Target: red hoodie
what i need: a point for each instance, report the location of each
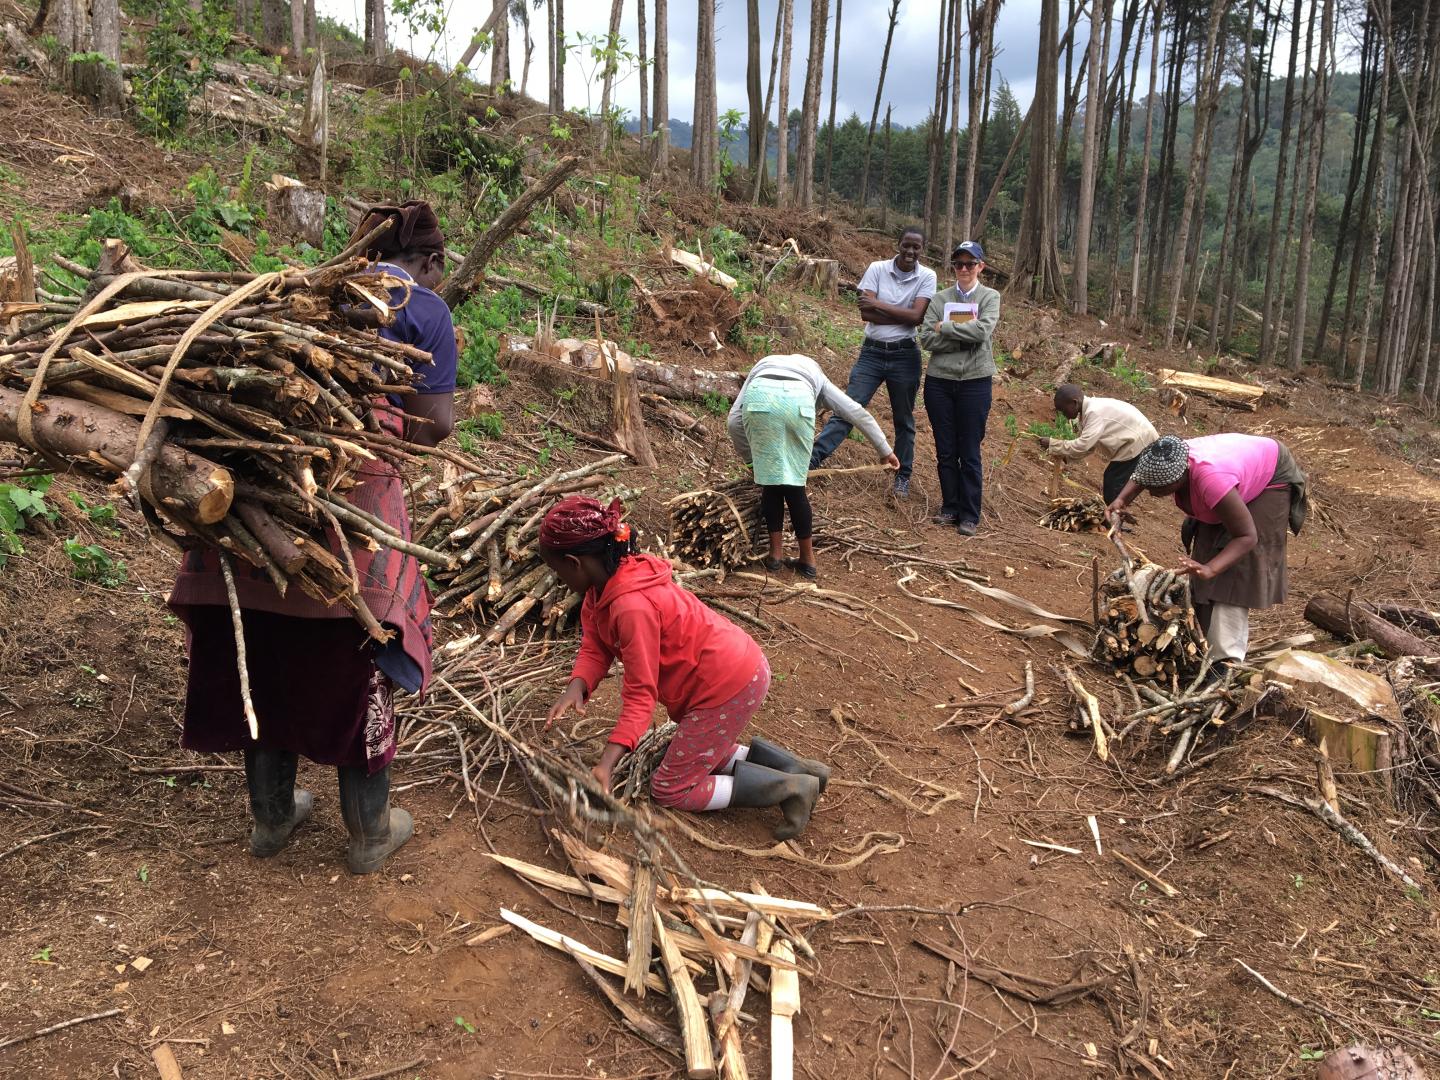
(674, 648)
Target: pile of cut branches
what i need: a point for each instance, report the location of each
(488, 524)
(719, 526)
(238, 410)
(1147, 624)
(1085, 513)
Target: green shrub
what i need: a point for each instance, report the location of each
(91, 562)
(483, 319)
(20, 504)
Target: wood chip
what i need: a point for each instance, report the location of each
(489, 935)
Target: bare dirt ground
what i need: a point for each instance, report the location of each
(291, 967)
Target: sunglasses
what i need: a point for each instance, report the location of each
(965, 265)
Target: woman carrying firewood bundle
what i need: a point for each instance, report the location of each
(1239, 494)
(772, 425)
(708, 673)
(320, 685)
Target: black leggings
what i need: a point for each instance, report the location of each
(773, 500)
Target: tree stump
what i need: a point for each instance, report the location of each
(822, 274)
(295, 211)
(1365, 1063)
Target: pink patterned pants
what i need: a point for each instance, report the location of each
(694, 773)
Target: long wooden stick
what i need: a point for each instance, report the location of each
(239, 625)
(18, 1039)
(564, 943)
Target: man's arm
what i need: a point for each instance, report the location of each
(931, 324)
(882, 314)
(429, 418)
(1091, 428)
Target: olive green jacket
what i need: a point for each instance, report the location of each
(961, 350)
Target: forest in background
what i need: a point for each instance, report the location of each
(1209, 170)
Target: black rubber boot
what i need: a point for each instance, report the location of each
(794, 793)
(376, 828)
(764, 752)
(275, 803)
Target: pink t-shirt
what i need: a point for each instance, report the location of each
(1221, 463)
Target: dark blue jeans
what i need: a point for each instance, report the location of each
(899, 370)
(958, 410)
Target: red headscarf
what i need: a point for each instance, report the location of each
(578, 519)
(414, 228)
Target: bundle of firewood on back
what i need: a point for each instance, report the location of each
(1085, 513)
(237, 409)
(490, 525)
(719, 526)
(1147, 624)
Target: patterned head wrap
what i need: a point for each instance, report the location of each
(414, 228)
(1162, 463)
(578, 519)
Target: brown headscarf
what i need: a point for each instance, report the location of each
(414, 229)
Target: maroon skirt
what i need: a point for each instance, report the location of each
(314, 684)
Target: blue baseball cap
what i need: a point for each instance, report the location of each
(968, 247)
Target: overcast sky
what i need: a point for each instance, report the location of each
(909, 86)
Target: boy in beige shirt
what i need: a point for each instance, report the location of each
(1115, 429)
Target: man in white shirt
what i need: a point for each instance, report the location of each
(1114, 429)
(893, 296)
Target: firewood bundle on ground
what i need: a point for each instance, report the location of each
(1085, 513)
(718, 526)
(489, 525)
(677, 938)
(1147, 625)
(237, 409)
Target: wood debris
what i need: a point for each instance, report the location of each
(720, 526)
(1082, 514)
(675, 937)
(1148, 626)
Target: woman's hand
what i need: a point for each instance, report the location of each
(605, 768)
(572, 698)
(1199, 571)
(1113, 510)
(1044, 443)
(892, 462)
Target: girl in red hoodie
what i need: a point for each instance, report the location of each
(707, 672)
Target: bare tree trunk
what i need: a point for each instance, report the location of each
(105, 40)
(297, 31)
(936, 130)
(834, 91)
(1089, 166)
(1125, 95)
(1371, 204)
(311, 35)
(557, 51)
(662, 86)
(1369, 78)
(759, 171)
(607, 72)
(1235, 191)
(1207, 93)
(952, 170)
(885, 173)
(1312, 180)
(705, 122)
(1258, 111)
(782, 150)
(875, 111)
(758, 115)
(523, 8)
(1267, 313)
(810, 105)
(643, 47)
(1037, 257)
(1161, 233)
(1144, 188)
(500, 50)
(377, 39)
(982, 22)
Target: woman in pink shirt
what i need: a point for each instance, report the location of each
(1239, 494)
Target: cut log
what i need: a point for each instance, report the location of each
(68, 428)
(1227, 392)
(673, 381)
(821, 274)
(1367, 1063)
(627, 421)
(1359, 621)
(700, 268)
(1405, 616)
(694, 1031)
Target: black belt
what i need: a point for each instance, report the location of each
(891, 346)
(777, 375)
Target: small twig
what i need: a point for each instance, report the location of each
(16, 1040)
(391, 1071)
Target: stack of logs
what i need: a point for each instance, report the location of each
(1086, 513)
(677, 936)
(489, 525)
(238, 409)
(717, 527)
(1147, 625)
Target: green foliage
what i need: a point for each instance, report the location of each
(715, 404)
(103, 515)
(91, 562)
(180, 51)
(1012, 426)
(483, 319)
(43, 956)
(20, 504)
(1062, 427)
(485, 425)
(465, 1025)
(729, 136)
